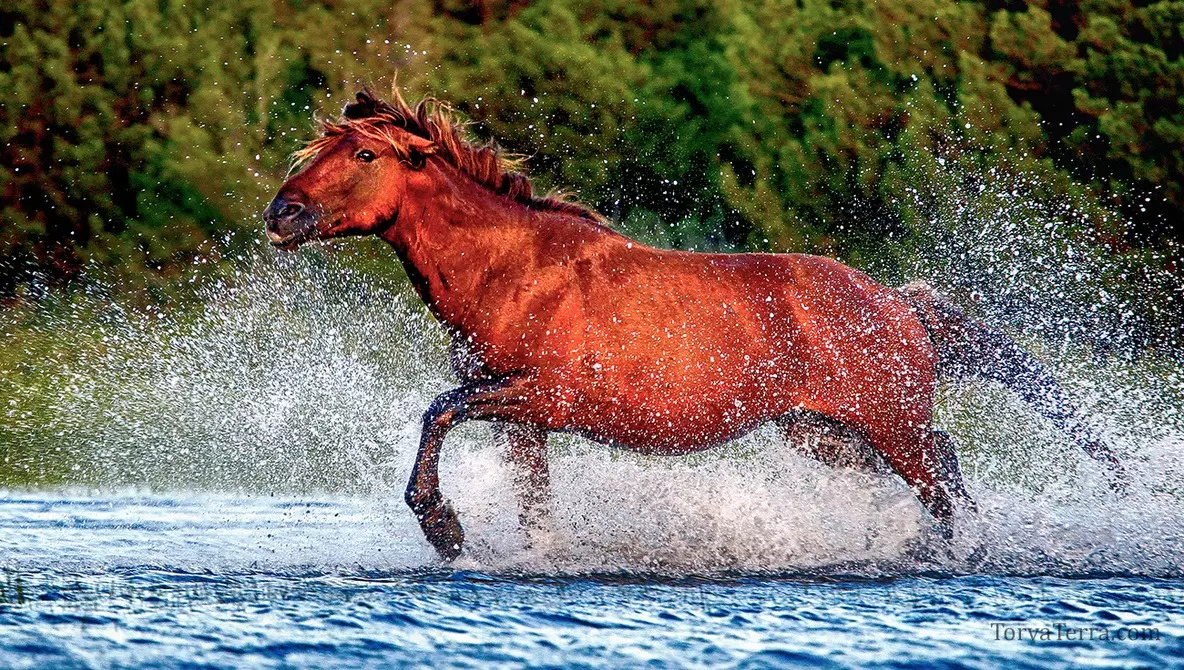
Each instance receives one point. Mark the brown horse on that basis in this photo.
(558, 323)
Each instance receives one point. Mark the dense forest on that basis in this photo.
(143, 135)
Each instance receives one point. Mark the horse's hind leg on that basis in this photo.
(915, 456)
(950, 471)
(526, 450)
(925, 459)
(930, 469)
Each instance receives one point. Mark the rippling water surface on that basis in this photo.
(153, 581)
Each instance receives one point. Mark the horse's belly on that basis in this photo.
(670, 423)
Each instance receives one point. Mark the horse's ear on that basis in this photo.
(418, 149)
(366, 106)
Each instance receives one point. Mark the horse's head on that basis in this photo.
(353, 178)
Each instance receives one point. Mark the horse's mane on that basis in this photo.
(435, 121)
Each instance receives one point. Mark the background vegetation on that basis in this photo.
(139, 140)
(144, 134)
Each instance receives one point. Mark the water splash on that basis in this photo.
(305, 376)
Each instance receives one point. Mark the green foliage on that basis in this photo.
(142, 135)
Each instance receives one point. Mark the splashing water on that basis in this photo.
(307, 377)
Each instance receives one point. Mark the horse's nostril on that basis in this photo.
(282, 210)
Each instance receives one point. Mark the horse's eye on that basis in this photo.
(365, 155)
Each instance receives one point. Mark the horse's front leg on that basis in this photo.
(526, 450)
(478, 400)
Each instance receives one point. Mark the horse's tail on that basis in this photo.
(969, 349)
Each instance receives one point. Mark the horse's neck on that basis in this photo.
(455, 237)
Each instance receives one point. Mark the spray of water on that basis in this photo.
(305, 377)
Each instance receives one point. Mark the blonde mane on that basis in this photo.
(435, 122)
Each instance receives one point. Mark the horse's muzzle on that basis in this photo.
(289, 221)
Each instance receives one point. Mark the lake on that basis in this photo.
(136, 580)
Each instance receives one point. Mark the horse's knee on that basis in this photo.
(442, 413)
(421, 500)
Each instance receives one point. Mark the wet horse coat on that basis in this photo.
(561, 324)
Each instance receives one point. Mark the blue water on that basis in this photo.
(214, 581)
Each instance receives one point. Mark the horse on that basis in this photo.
(558, 323)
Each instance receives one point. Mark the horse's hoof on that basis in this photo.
(442, 528)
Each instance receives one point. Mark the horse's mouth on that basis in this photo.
(290, 242)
